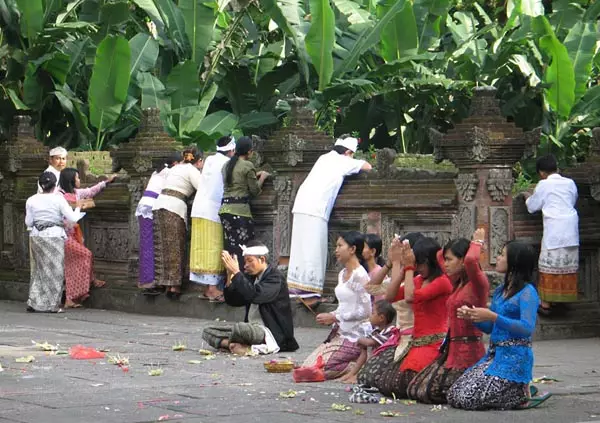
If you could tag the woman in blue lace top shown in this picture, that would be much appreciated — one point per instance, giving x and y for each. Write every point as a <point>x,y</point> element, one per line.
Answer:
<point>500,379</point>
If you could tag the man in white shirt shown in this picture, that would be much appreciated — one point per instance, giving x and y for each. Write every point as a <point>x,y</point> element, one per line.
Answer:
<point>57,162</point>
<point>558,264</point>
<point>312,208</point>
<point>206,266</point>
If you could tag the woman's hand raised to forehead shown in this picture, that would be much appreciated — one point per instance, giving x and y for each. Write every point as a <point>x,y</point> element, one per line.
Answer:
<point>479,235</point>
<point>408,257</point>
<point>395,251</point>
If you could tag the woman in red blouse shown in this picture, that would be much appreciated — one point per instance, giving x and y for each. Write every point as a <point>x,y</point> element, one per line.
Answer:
<point>463,347</point>
<point>428,293</point>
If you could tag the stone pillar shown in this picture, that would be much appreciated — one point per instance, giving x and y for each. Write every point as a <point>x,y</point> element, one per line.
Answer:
<point>22,160</point>
<point>484,148</point>
<point>139,157</point>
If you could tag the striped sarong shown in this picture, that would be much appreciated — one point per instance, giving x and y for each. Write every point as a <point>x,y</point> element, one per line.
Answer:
<point>206,266</point>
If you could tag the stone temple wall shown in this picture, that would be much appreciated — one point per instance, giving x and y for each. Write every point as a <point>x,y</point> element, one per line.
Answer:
<point>389,200</point>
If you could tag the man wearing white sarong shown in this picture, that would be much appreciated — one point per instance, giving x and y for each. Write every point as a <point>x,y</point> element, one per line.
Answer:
<point>57,162</point>
<point>312,208</point>
<point>206,266</point>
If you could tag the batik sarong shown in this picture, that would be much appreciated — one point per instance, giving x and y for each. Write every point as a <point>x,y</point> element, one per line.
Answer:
<point>47,257</point>
<point>79,267</point>
<point>339,356</point>
<point>239,333</point>
<point>237,230</point>
<point>558,275</point>
<point>308,256</point>
<point>169,247</point>
<point>146,255</point>
<point>206,265</point>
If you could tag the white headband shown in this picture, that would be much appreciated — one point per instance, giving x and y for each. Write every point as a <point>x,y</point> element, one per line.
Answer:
<point>259,250</point>
<point>228,147</point>
<point>57,151</point>
<point>350,143</point>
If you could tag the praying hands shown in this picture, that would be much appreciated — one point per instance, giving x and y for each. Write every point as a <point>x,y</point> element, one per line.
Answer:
<point>476,314</point>
<point>230,262</point>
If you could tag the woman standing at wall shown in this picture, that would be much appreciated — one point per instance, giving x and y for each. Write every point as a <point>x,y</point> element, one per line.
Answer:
<point>45,215</point>
<point>241,184</point>
<point>170,218</point>
<point>79,261</point>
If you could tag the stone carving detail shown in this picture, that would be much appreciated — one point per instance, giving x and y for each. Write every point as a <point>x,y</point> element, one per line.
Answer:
<point>442,237</point>
<point>464,222</point>
<point>385,162</point>
<point>284,228</point>
<point>499,230</point>
<point>436,138</point>
<point>14,158</point>
<point>110,242</point>
<point>141,164</point>
<point>499,183</point>
<point>532,139</point>
<point>7,190</point>
<point>135,191</point>
<point>283,187</point>
<point>595,187</point>
<point>480,150</point>
<point>466,185</point>
<point>8,223</point>
<point>293,150</point>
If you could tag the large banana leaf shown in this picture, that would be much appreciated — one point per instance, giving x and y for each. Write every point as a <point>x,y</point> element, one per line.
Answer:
<point>581,45</point>
<point>256,120</point>
<point>153,91</point>
<point>32,18</point>
<point>430,16</point>
<point>175,23</point>
<point>150,8</point>
<point>320,40</point>
<point>589,103</point>
<point>109,83</point>
<point>399,37</point>
<point>198,113</point>
<point>367,39</point>
<point>353,11</point>
<point>199,23</point>
<point>183,85</point>
<point>288,15</point>
<point>144,53</point>
<point>70,104</point>
<point>559,75</point>
<point>221,122</point>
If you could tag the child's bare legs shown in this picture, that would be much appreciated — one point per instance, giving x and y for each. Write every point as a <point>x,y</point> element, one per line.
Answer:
<point>352,377</point>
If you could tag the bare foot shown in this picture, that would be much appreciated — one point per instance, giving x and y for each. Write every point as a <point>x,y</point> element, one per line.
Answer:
<point>71,304</point>
<point>353,379</point>
<point>98,283</point>
<point>238,349</point>
<point>212,293</point>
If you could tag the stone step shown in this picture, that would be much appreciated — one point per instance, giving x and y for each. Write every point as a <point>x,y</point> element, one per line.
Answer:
<point>583,321</point>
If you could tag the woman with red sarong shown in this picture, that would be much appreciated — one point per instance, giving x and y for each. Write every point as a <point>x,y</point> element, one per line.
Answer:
<point>79,272</point>
<point>463,346</point>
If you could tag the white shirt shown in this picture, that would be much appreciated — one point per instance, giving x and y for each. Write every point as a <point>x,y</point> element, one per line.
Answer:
<point>56,172</point>
<point>556,196</point>
<point>319,190</point>
<point>49,208</point>
<point>183,178</point>
<point>210,191</point>
<point>354,304</point>
<point>155,185</point>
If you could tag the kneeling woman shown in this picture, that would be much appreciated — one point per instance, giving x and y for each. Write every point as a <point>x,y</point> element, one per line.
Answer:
<point>462,347</point>
<point>500,379</point>
<point>45,215</point>
<point>350,320</point>
<point>428,293</point>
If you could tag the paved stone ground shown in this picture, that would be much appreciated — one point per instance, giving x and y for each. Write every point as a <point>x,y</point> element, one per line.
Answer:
<point>56,388</point>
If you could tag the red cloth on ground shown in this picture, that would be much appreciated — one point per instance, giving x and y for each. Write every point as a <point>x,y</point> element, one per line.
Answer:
<point>462,355</point>
<point>429,308</point>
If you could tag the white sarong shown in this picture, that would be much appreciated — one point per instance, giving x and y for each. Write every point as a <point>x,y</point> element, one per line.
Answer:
<point>308,256</point>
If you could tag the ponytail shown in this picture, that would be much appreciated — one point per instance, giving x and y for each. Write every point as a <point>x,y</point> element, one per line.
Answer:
<point>243,146</point>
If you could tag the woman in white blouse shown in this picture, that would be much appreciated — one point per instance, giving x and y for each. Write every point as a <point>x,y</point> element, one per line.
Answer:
<point>144,214</point>
<point>558,264</point>
<point>45,215</point>
<point>170,220</point>
<point>351,319</point>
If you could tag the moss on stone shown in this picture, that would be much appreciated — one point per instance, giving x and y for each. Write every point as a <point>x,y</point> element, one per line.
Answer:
<point>423,161</point>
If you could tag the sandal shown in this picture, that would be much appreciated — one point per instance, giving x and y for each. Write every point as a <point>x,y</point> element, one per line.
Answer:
<point>544,311</point>
<point>535,402</point>
<point>153,291</point>
<point>533,391</point>
<point>30,309</point>
<point>311,307</point>
<point>219,299</point>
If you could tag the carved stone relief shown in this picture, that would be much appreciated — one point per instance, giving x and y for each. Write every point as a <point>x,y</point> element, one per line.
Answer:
<point>499,183</point>
<point>108,242</point>
<point>283,187</point>
<point>8,223</point>
<point>464,221</point>
<point>7,190</point>
<point>436,138</point>
<point>595,187</point>
<point>141,164</point>
<point>499,230</point>
<point>466,185</point>
<point>293,147</point>
<point>284,228</point>
<point>480,149</point>
<point>442,237</point>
